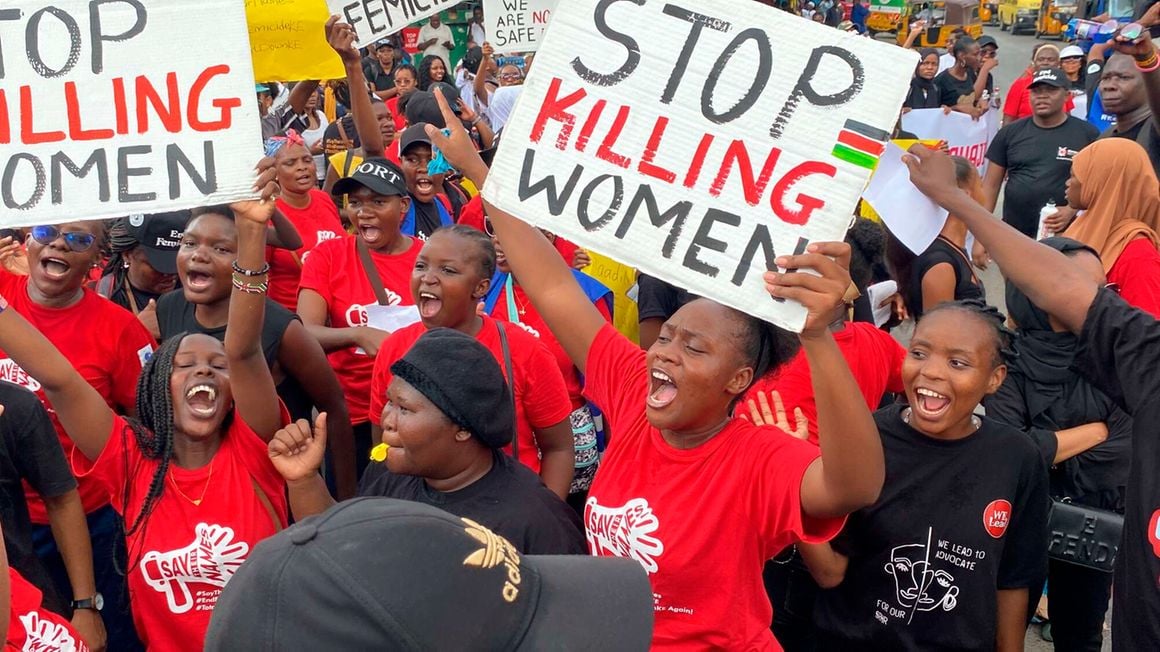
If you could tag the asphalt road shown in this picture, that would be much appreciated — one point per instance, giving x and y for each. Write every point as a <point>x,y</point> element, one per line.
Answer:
<point>1014,56</point>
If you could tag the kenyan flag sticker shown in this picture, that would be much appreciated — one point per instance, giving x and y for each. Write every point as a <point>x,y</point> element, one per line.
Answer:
<point>860,144</point>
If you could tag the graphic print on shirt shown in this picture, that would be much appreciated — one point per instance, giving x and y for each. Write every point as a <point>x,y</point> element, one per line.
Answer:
<point>924,578</point>
<point>211,559</point>
<point>996,517</point>
<point>356,314</point>
<point>42,634</point>
<point>1154,532</point>
<point>624,531</point>
<point>322,236</point>
<point>16,375</point>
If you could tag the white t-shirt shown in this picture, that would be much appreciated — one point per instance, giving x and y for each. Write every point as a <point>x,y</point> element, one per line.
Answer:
<point>478,34</point>
<point>946,61</point>
<point>442,34</point>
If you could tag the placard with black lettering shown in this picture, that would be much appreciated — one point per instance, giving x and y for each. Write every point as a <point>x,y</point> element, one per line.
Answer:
<point>117,107</point>
<point>698,141</point>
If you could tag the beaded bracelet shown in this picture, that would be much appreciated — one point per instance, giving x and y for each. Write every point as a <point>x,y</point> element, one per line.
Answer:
<point>250,272</point>
<point>250,288</point>
<point>1150,64</point>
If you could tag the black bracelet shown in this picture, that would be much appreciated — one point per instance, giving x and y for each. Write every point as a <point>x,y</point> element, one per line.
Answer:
<point>249,272</point>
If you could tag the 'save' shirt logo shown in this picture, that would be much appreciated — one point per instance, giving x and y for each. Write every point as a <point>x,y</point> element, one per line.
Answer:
<point>210,560</point>
<point>625,531</point>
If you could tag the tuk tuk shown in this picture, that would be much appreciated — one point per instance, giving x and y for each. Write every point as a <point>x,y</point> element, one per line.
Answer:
<point>989,12</point>
<point>942,17</point>
<point>884,15</point>
<point>1054,16</point>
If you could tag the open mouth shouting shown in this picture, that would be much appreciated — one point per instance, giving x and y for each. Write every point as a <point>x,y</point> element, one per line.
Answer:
<point>198,280</point>
<point>424,186</point>
<point>54,268</point>
<point>202,400</point>
<point>929,404</point>
<point>662,390</point>
<point>429,304</point>
<point>370,232</point>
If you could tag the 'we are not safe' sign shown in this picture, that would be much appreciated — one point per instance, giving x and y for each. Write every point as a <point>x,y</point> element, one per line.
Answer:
<point>113,107</point>
<point>698,141</point>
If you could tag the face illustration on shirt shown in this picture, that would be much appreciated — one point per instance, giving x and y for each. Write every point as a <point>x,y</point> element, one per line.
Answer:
<point>916,585</point>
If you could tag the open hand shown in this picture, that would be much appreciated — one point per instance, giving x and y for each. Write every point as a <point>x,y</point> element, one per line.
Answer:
<point>13,257</point>
<point>296,451</point>
<point>820,294</point>
<point>760,414</point>
<point>341,37</point>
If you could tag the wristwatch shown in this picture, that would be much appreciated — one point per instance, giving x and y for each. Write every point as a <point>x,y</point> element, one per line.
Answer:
<point>96,603</point>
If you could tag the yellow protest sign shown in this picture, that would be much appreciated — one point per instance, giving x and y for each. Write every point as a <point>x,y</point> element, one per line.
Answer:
<point>288,41</point>
<point>620,279</point>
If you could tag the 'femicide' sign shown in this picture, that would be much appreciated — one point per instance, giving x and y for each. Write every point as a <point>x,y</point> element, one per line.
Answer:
<point>112,107</point>
<point>698,141</point>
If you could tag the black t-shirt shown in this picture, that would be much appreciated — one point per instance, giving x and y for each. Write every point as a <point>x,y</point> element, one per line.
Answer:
<point>382,81</point>
<point>967,285</point>
<point>1119,352</point>
<point>951,90</point>
<point>657,299</point>
<point>427,219</point>
<point>176,315</point>
<point>956,521</point>
<point>1038,163</point>
<point>509,499</point>
<point>31,452</point>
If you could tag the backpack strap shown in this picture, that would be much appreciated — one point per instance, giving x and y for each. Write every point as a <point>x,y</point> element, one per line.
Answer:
<point>511,378</point>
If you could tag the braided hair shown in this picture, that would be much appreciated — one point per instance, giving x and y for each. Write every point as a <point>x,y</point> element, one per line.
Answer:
<point>153,429</point>
<point>119,243</point>
<point>765,347</point>
<point>486,249</point>
<point>990,315</point>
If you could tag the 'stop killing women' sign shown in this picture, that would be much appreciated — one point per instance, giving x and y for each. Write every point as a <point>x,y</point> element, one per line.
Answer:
<point>698,141</point>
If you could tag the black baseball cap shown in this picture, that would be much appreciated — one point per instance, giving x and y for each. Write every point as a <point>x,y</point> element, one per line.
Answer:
<point>385,43</point>
<point>987,40</point>
<point>423,107</point>
<point>414,135</point>
<point>379,573</point>
<point>1050,76</point>
<point>381,175</point>
<point>159,235</point>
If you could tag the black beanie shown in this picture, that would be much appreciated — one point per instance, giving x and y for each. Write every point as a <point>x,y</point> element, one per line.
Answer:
<point>461,377</point>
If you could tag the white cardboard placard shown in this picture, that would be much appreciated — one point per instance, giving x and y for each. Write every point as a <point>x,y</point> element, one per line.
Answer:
<point>965,136</point>
<point>119,107</point>
<point>375,19</point>
<point>697,141</point>
<point>516,25</point>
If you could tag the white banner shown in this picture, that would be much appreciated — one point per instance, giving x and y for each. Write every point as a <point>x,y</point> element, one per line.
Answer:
<point>117,107</point>
<point>698,147</point>
<point>374,19</point>
<point>964,136</point>
<point>516,25</point>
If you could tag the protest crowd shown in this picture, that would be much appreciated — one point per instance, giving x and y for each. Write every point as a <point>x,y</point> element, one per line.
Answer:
<point>516,328</point>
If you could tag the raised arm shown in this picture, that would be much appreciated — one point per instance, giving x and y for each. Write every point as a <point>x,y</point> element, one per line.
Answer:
<point>341,38</point>
<point>1144,52</point>
<point>84,414</point>
<point>851,470</point>
<point>1046,276</point>
<point>250,379</point>
<point>992,184</point>
<point>543,274</point>
<point>485,65</point>
<point>915,29</point>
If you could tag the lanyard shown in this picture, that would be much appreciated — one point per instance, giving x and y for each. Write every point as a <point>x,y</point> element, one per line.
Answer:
<point>513,314</point>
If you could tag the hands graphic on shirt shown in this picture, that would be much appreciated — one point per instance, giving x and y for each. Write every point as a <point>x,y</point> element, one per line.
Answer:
<point>625,531</point>
<point>42,634</point>
<point>212,558</point>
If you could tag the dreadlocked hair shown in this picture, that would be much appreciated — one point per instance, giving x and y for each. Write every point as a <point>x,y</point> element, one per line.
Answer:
<point>153,430</point>
<point>766,347</point>
<point>1004,337</point>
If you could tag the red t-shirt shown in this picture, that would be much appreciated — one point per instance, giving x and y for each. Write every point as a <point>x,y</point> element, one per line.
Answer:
<point>532,322</point>
<point>184,554</point>
<point>541,398</point>
<point>874,357</point>
<point>106,345</point>
<point>316,223</point>
<point>335,272</point>
<point>1137,272</point>
<point>1018,103</point>
<point>703,521</point>
<point>31,627</point>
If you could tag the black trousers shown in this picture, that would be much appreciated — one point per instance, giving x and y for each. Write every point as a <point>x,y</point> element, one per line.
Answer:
<point>792,592</point>
<point>1077,599</point>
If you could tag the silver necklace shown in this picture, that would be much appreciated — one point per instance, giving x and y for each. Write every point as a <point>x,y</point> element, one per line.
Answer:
<point>976,422</point>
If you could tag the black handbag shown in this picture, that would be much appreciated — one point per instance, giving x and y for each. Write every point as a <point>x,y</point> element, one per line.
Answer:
<point>1084,536</point>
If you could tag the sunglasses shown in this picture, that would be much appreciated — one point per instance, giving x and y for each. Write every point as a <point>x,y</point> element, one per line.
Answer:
<point>511,75</point>
<point>78,241</point>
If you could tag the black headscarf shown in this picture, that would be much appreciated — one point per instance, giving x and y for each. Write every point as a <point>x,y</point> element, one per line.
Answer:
<point>1044,356</point>
<point>923,94</point>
